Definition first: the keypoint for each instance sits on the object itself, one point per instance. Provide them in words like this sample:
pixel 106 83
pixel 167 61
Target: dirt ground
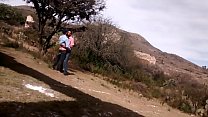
pixel 30 88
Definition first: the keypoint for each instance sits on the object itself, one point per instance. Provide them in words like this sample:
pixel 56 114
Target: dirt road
pixel 80 94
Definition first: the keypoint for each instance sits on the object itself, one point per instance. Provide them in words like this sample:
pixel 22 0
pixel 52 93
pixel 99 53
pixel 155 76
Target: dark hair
pixel 64 31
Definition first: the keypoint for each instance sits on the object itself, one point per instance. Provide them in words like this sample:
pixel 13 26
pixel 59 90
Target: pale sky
pixel 174 26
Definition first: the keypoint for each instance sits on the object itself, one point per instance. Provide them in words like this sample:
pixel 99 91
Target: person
pixel 69 43
pixel 58 65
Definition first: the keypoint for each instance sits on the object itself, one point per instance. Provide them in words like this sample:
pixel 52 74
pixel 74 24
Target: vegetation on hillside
pixel 10 15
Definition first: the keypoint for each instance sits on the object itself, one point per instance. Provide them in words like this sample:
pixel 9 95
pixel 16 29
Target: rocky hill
pixel 171 64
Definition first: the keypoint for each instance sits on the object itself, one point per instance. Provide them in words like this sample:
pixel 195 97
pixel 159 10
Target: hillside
pixel 170 64
pixel 26 10
pixel 30 88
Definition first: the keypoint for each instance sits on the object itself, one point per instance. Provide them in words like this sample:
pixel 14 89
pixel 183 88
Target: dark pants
pixel 65 61
pixel 58 62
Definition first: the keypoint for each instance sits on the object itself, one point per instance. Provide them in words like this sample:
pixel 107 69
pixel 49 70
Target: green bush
pixel 10 15
pixel 184 106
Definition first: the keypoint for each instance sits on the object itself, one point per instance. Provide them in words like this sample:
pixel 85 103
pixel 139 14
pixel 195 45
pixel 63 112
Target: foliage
pixel 52 13
pixel 101 47
pixel 10 15
pixel 31 37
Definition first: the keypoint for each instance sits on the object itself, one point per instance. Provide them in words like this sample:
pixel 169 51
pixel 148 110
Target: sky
pixel 174 26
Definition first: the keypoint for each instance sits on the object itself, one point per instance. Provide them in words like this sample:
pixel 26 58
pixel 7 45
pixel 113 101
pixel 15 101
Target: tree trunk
pixel 48 39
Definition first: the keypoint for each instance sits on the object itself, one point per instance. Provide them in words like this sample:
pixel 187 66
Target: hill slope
pixel 171 64
pixel 80 94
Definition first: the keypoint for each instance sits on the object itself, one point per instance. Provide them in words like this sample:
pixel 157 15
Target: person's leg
pixel 60 62
pixel 56 60
pixel 65 63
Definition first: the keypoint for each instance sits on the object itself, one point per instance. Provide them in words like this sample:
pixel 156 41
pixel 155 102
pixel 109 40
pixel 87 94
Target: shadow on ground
pixel 84 106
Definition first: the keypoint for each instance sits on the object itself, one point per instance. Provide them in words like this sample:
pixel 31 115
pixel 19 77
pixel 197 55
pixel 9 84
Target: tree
pixel 53 13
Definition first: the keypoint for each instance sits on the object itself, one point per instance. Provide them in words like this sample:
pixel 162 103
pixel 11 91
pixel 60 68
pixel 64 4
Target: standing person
pixel 58 63
pixel 68 52
pixel 62 49
pixel 69 44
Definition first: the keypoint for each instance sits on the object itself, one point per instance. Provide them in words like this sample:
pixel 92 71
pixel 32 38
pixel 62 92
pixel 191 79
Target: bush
pixel 101 47
pixel 10 15
pixel 31 36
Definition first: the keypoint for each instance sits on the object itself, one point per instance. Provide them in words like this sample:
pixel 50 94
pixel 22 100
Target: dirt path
pixel 86 88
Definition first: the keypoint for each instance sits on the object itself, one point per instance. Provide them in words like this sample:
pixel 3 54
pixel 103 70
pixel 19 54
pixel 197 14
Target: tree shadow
pixel 84 104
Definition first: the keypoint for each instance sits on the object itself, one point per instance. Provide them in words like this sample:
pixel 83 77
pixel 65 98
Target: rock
pixel 140 95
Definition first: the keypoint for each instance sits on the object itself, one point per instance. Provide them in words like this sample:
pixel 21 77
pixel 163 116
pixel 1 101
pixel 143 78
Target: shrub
pixel 10 15
pixel 101 47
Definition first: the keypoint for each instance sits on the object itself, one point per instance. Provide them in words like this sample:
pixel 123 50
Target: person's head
pixel 69 33
pixel 64 31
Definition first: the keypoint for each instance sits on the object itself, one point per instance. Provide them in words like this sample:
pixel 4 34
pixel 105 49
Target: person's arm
pixel 71 42
pixel 62 44
pixel 62 47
